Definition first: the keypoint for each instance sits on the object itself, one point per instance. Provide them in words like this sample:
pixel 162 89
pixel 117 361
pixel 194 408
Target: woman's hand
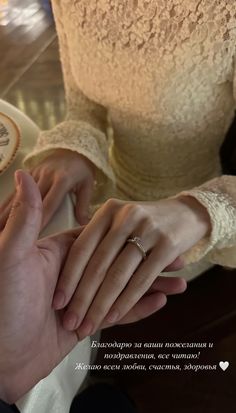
pixel 58 174
pixel 105 276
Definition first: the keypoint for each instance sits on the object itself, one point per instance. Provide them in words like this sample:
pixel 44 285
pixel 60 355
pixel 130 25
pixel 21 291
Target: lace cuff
pixel 79 137
pixel 220 246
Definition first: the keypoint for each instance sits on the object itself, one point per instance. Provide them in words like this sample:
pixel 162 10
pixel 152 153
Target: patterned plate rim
pixel 18 141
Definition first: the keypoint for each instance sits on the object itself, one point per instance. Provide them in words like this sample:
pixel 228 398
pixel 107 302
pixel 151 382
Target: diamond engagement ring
pixel 138 243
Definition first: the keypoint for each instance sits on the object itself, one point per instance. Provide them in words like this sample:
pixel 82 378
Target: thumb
pixel 24 221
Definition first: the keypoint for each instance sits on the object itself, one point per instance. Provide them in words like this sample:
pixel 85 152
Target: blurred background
pixel 30 73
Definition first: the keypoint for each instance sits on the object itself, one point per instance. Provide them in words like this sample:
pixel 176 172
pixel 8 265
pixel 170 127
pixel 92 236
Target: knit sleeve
pixel 218 196
pixel 84 129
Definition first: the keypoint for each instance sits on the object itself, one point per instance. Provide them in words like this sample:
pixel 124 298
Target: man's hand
pixel 32 340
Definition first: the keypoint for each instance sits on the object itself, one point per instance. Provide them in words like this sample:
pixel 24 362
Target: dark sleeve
pixel 6 408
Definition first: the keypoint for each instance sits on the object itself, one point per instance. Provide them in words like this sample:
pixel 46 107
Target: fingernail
pixel 70 321
pixel 85 329
pixel 58 300
pixel 112 316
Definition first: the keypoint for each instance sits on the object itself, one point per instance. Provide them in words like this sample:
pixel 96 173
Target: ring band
pixel 138 243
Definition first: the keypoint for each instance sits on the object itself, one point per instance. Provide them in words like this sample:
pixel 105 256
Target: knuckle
pixel 116 276
pixel 17 205
pixel 149 223
pixel 14 209
pixel 141 280
pixel 142 283
pixel 128 214
pixel 96 262
pixel 78 250
pixel 28 206
pixel 27 212
pixel 98 309
pixel 35 205
pixel 128 209
pixel 97 274
pixel 132 211
pixel 96 268
pixel 111 203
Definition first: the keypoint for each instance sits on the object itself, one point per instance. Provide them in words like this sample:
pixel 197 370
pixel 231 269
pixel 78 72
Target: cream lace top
pixel 162 74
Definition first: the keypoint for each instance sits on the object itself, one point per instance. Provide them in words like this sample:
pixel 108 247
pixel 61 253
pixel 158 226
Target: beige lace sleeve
pixel 85 127
pixel 219 197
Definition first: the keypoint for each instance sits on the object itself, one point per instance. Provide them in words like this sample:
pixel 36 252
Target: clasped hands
pixel 62 288
pixel 104 280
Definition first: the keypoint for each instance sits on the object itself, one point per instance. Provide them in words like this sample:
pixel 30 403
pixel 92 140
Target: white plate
pixel 9 141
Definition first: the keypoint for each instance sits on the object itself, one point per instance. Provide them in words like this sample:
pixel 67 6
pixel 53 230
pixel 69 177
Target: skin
pixel 105 277
pixel 62 172
pixel 32 338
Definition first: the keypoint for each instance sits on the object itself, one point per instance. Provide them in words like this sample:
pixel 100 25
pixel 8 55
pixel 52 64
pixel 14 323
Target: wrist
pixel 14 381
pixel 76 155
pixel 197 212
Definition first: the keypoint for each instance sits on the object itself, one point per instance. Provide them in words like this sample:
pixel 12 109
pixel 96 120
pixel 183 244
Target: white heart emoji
pixel 224 365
